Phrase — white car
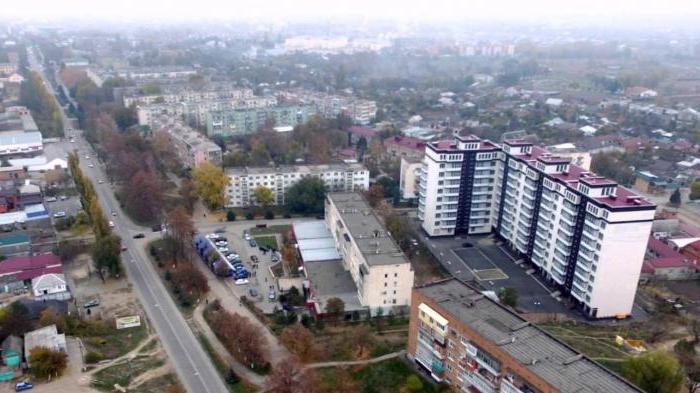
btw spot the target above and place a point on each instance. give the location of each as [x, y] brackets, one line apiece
[246, 236]
[87, 157]
[212, 236]
[51, 199]
[90, 166]
[114, 214]
[59, 214]
[111, 224]
[241, 281]
[222, 243]
[223, 249]
[100, 181]
[63, 197]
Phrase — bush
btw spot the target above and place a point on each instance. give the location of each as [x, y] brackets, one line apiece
[269, 215]
[168, 276]
[249, 216]
[413, 383]
[230, 215]
[93, 357]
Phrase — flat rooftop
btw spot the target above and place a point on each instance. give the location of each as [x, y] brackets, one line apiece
[329, 279]
[374, 241]
[266, 170]
[555, 362]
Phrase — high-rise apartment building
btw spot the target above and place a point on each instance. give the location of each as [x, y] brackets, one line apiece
[583, 232]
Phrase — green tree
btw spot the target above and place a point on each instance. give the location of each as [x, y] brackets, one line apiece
[230, 215]
[390, 188]
[675, 199]
[695, 190]
[413, 383]
[361, 148]
[210, 183]
[508, 296]
[654, 372]
[47, 363]
[264, 196]
[307, 196]
[106, 255]
[125, 117]
[335, 307]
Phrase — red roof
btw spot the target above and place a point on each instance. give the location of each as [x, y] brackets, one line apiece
[664, 256]
[28, 267]
[405, 141]
[367, 132]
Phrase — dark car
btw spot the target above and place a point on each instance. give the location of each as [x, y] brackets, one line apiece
[92, 303]
[156, 228]
[253, 243]
[254, 258]
[467, 245]
[220, 230]
[139, 236]
[21, 386]
[253, 292]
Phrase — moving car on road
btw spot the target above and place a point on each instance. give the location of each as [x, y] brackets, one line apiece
[139, 236]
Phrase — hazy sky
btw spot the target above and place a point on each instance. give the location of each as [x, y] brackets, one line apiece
[402, 10]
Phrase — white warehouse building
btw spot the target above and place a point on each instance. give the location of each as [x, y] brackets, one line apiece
[582, 232]
[341, 177]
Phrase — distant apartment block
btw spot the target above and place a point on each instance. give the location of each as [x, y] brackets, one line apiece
[8, 68]
[191, 147]
[381, 272]
[247, 121]
[240, 192]
[583, 232]
[188, 96]
[462, 338]
[330, 106]
[409, 177]
[404, 146]
[155, 73]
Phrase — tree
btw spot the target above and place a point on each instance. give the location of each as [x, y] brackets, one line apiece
[654, 372]
[301, 342]
[390, 187]
[188, 194]
[508, 296]
[288, 377]
[230, 215]
[695, 190]
[335, 307]
[125, 117]
[14, 320]
[190, 280]
[50, 317]
[180, 230]
[105, 255]
[307, 196]
[143, 195]
[47, 363]
[374, 195]
[361, 148]
[210, 183]
[413, 383]
[264, 196]
[675, 199]
[692, 378]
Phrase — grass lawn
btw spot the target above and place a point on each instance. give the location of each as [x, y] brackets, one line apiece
[266, 241]
[124, 373]
[222, 368]
[115, 343]
[270, 230]
[149, 346]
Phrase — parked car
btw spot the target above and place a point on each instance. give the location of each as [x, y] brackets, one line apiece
[271, 295]
[275, 258]
[139, 236]
[114, 214]
[467, 245]
[212, 236]
[111, 224]
[220, 230]
[59, 214]
[254, 258]
[221, 243]
[51, 199]
[253, 292]
[90, 166]
[21, 386]
[241, 281]
[222, 249]
[156, 228]
[253, 243]
[241, 274]
[100, 181]
[92, 303]
[63, 197]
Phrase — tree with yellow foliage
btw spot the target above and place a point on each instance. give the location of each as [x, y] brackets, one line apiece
[209, 183]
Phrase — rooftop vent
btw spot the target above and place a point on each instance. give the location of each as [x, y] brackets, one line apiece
[520, 326]
[572, 359]
[505, 341]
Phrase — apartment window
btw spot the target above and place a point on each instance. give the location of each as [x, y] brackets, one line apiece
[396, 274]
[386, 275]
[386, 284]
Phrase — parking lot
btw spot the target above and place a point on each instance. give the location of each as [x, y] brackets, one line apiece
[70, 206]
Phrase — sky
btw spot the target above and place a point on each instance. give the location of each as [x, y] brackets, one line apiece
[400, 10]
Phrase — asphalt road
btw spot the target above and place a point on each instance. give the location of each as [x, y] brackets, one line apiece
[194, 368]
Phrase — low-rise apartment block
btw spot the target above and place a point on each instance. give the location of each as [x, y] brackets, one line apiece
[582, 232]
[191, 147]
[186, 95]
[247, 121]
[331, 105]
[469, 341]
[337, 177]
[378, 267]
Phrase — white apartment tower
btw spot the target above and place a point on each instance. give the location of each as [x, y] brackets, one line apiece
[582, 232]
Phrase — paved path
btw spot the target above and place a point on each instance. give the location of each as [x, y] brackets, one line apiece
[356, 362]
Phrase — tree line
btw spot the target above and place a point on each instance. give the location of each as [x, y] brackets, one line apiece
[107, 248]
[46, 113]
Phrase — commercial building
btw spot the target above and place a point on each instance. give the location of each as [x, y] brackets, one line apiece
[582, 232]
[469, 341]
[20, 143]
[240, 191]
[191, 147]
[380, 270]
[247, 121]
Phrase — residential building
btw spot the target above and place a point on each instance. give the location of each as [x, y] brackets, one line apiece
[409, 177]
[465, 339]
[380, 270]
[569, 150]
[14, 243]
[662, 262]
[240, 191]
[191, 147]
[404, 146]
[247, 121]
[330, 106]
[191, 96]
[649, 183]
[8, 68]
[582, 232]
[47, 337]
